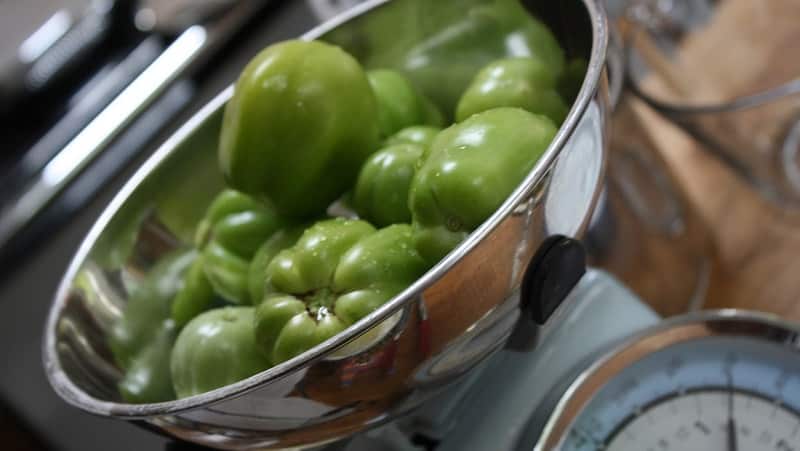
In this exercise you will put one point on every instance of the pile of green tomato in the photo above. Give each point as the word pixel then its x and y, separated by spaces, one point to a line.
pixel 270 274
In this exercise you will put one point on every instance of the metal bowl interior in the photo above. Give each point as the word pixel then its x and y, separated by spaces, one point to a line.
pixel 436 330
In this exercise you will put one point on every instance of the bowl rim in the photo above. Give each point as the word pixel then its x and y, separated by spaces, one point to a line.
pixel 77 397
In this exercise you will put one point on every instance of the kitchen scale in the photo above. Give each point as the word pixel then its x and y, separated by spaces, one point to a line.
pixel 615 376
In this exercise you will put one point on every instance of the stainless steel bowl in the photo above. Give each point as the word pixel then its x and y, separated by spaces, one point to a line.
pixel 395 358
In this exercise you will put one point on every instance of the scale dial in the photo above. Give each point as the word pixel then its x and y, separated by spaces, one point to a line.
pixel 713 382
pixel 703 420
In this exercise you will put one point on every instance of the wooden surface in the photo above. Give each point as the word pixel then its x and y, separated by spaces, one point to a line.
pixel 757 243
pixel 757 246
pixel 654 240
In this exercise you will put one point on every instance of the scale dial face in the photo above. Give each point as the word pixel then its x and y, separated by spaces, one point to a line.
pixel 724 392
pixel 699 420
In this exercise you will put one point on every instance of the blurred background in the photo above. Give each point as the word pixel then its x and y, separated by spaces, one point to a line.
pixel 700 206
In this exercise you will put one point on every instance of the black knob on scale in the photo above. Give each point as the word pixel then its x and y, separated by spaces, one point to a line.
pixel 552 273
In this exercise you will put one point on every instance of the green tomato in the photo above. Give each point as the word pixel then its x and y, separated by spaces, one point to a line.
pixel 256 275
pixel 469 171
pixel 215 349
pixel 381 192
pixel 141 340
pixel 302 120
pixel 571 80
pixel 399 103
pixel 234 227
pixel 444 64
pixel 148 377
pixel 416 134
pixel 195 296
pixel 227 202
pixel 227 273
pixel 338 271
pixel 148 307
pixel 526 83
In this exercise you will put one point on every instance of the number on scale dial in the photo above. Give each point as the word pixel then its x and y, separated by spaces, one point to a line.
pixel 710 394
pixel 701 421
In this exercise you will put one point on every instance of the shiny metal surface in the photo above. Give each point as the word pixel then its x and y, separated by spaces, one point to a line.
pixel 426 337
pixel 682 329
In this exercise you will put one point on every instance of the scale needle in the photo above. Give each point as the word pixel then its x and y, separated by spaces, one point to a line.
pixel 733 444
